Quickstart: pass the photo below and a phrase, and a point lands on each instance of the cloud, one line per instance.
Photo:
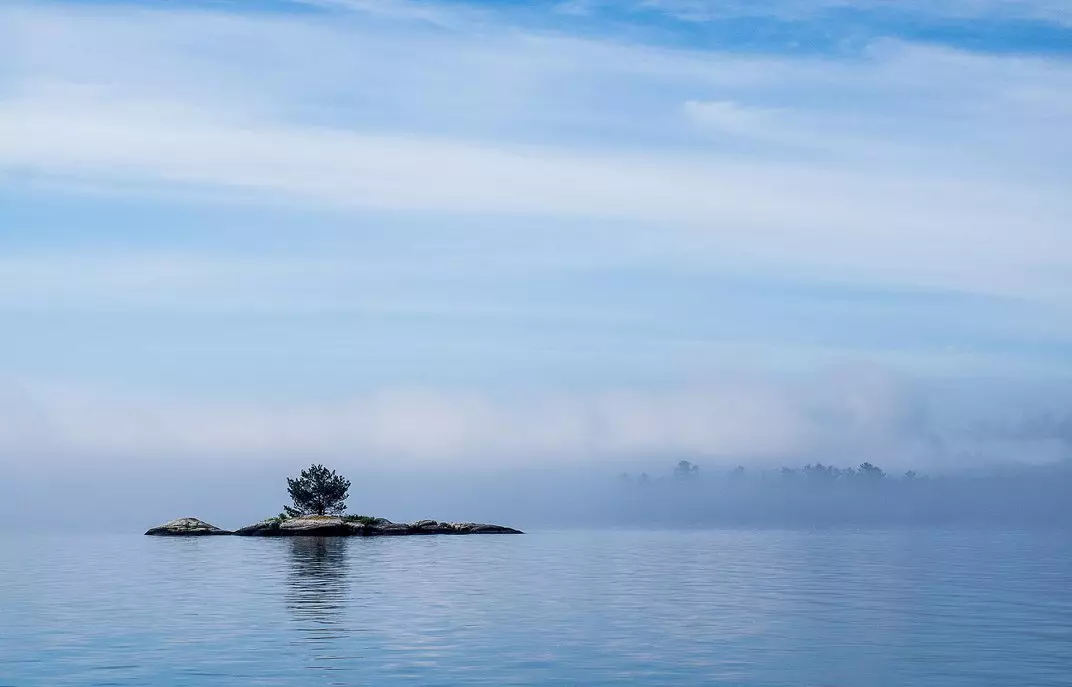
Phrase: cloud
(734, 118)
(746, 423)
(460, 14)
(902, 188)
(446, 17)
(823, 218)
(838, 416)
(908, 165)
(707, 10)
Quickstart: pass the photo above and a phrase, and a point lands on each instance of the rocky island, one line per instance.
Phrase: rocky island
(187, 527)
(318, 497)
(328, 526)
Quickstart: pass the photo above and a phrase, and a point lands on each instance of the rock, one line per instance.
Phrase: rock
(314, 524)
(356, 529)
(436, 527)
(331, 526)
(186, 527)
(265, 528)
(307, 525)
(390, 530)
(431, 527)
(491, 529)
(322, 526)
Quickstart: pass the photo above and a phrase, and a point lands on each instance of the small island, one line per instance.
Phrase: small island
(318, 498)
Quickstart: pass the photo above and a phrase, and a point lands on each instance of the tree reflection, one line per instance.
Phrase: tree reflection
(317, 582)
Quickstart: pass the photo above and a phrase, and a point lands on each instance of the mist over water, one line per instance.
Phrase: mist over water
(121, 498)
(770, 608)
(762, 451)
(754, 316)
(759, 455)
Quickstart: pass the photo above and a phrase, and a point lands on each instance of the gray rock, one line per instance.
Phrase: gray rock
(431, 527)
(186, 527)
(266, 528)
(356, 529)
(435, 527)
(389, 530)
(316, 525)
(330, 526)
(474, 528)
(309, 525)
(311, 522)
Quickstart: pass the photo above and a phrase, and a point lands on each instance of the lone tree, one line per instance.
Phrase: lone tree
(318, 490)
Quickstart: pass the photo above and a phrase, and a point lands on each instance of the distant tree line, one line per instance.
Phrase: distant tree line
(818, 494)
(866, 472)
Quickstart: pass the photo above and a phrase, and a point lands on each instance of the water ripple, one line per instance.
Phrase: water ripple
(763, 608)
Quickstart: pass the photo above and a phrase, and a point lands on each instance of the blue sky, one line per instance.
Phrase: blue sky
(553, 231)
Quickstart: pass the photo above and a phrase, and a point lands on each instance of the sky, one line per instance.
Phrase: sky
(448, 236)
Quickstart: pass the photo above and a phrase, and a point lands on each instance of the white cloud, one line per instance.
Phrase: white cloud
(912, 165)
(888, 185)
(770, 213)
(458, 16)
(757, 422)
(1055, 11)
(836, 416)
(735, 119)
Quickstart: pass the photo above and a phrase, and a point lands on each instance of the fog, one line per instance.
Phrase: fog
(130, 498)
(823, 496)
(977, 453)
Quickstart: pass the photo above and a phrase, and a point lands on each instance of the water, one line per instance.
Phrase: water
(763, 608)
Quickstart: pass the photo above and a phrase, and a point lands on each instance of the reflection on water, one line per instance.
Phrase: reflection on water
(732, 608)
(317, 592)
(317, 587)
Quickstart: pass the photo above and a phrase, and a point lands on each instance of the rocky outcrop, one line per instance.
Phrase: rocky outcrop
(328, 526)
(308, 525)
(331, 526)
(434, 527)
(186, 527)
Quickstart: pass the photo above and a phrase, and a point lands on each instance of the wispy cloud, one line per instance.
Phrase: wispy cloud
(706, 10)
(838, 414)
(908, 186)
(621, 427)
(900, 166)
(448, 17)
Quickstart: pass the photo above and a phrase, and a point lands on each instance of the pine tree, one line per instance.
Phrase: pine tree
(318, 490)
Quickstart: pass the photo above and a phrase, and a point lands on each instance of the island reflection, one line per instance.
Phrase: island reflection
(317, 583)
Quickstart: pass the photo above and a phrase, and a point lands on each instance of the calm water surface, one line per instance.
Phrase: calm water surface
(763, 608)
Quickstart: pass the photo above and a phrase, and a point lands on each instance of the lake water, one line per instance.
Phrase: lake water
(762, 608)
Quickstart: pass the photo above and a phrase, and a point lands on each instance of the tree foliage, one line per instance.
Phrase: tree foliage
(868, 471)
(686, 470)
(317, 490)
